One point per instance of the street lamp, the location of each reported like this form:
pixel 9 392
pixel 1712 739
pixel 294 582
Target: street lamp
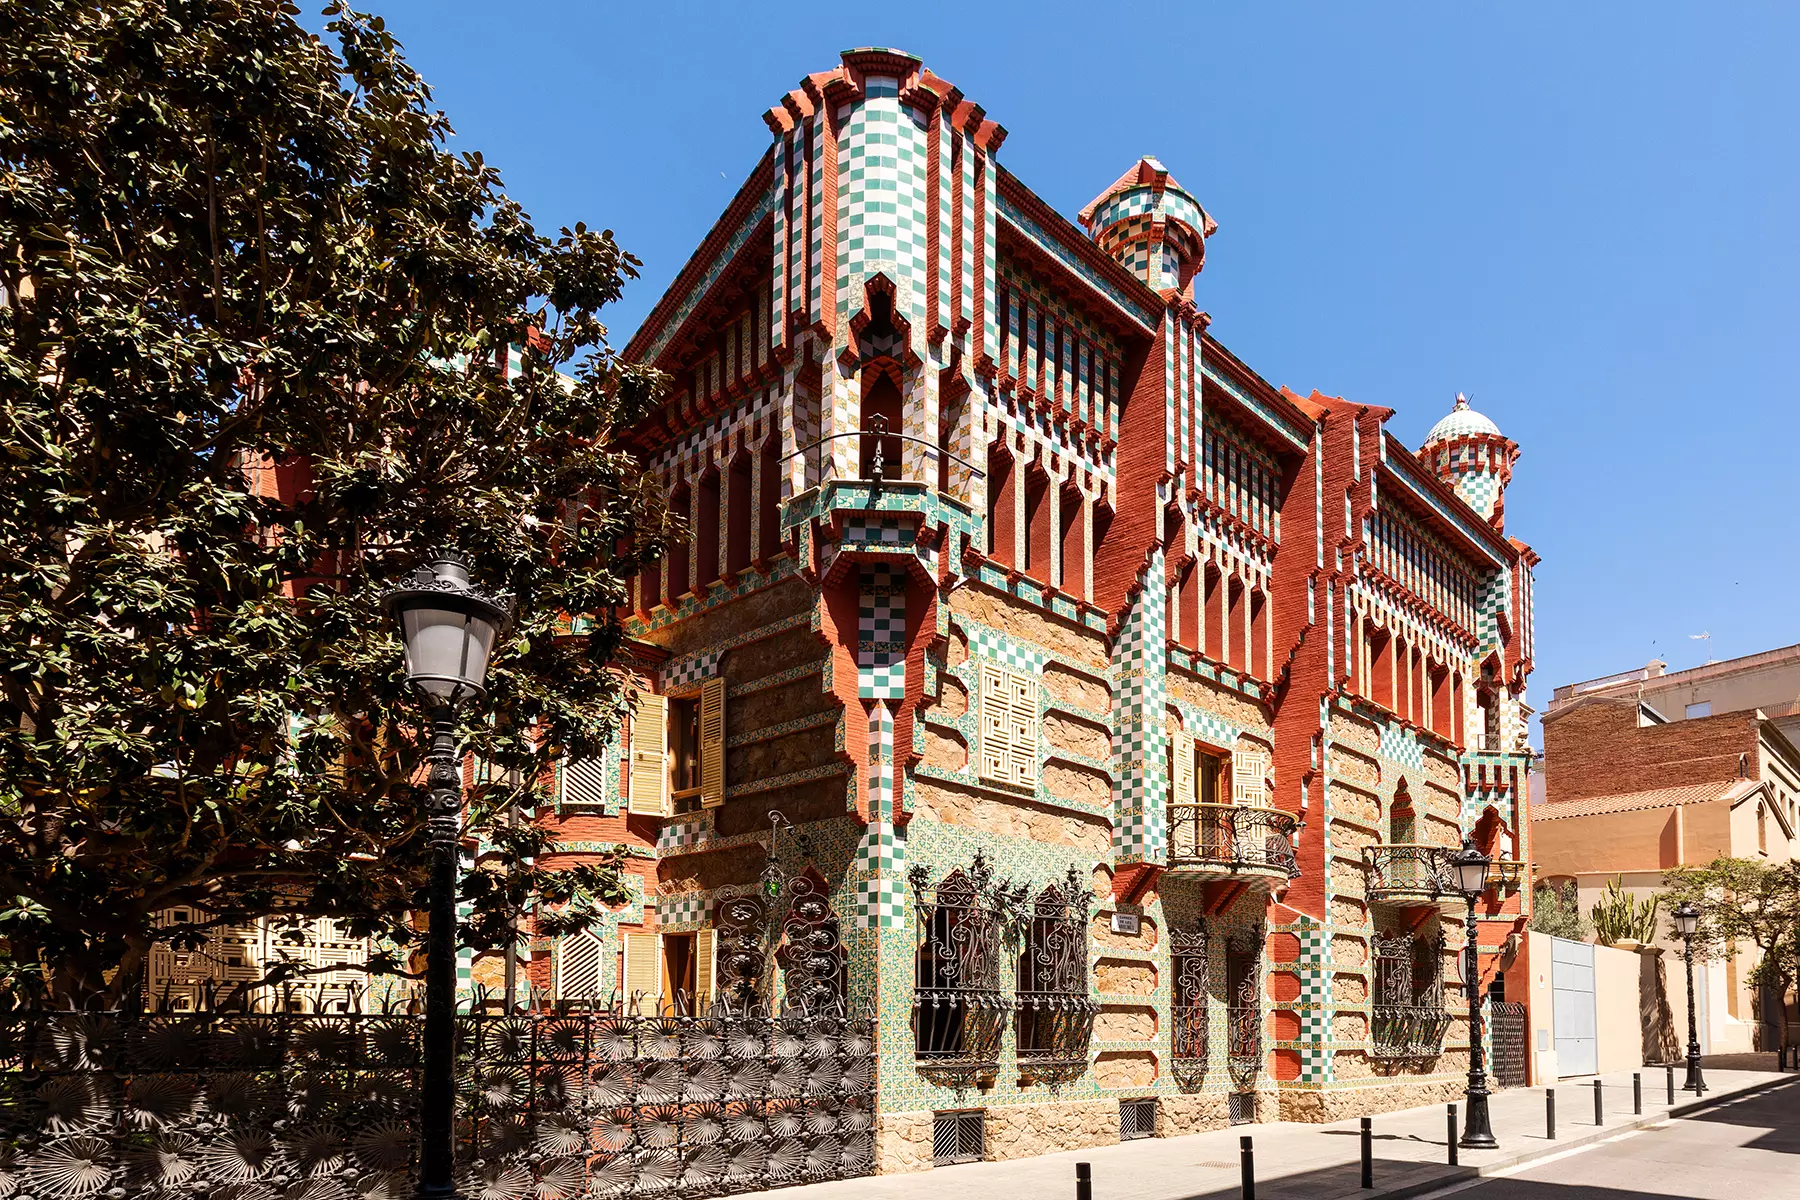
pixel 1469 870
pixel 1687 921
pixel 449 629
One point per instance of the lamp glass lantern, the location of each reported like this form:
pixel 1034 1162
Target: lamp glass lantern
pixel 449 629
pixel 1470 867
pixel 1687 918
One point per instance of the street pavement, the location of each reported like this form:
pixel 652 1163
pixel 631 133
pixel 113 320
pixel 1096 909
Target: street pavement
pixel 1322 1162
pixel 1742 1149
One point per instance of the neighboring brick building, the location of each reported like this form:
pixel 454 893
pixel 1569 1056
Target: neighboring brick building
pixel 1122 705
pixel 1629 794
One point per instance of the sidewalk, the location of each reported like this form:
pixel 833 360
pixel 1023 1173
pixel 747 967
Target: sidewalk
pixel 1306 1162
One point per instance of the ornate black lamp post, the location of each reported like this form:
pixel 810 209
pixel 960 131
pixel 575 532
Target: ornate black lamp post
pixel 1687 920
pixel 449 628
pixel 1469 871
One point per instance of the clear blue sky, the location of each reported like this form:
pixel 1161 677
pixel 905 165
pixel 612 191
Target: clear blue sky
pixel 1584 215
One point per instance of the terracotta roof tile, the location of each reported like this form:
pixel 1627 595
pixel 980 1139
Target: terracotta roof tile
pixel 1698 793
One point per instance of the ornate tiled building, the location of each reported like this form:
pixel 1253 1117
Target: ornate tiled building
pixel 1120 705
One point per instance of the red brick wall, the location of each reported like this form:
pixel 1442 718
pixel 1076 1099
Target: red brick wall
pixel 1597 748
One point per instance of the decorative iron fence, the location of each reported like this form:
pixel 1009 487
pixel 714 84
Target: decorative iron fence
pixel 1232 837
pixel 1506 1019
pixel 1408 869
pixel 554 1102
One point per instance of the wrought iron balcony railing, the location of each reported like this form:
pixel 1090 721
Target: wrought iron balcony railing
pixel 1408 870
pixel 1408 1031
pixel 1232 838
pixel 1507 872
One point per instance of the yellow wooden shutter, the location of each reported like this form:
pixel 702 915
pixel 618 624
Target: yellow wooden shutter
pixel 1184 768
pixel 703 971
pixel 1248 767
pixel 712 742
pixel 649 756
pixel 643 972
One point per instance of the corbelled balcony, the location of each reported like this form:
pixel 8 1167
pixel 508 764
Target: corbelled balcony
pixel 1411 873
pixel 1232 841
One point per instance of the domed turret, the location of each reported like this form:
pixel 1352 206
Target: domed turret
pixel 1468 452
pixel 1151 226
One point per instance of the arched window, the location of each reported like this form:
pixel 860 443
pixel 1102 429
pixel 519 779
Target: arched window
pixel 1000 504
pixel 706 531
pixel 677 557
pixel 881 408
pixel 738 515
pixel 768 504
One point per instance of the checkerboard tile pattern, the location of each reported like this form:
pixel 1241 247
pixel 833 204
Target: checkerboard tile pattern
pixel 879 531
pixel 1007 651
pixel 688 910
pixel 882 200
pixel 881 889
pixel 677 836
pixel 1400 745
pixel 1140 739
pixel 690 672
pixel 1315 1006
pixel 881 635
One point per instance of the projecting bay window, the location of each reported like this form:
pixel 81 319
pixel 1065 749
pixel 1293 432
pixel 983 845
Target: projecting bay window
pixel 678 752
pixel 1408 1016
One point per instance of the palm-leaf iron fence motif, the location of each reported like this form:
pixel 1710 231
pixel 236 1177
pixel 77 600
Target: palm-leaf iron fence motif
pixel 621 1097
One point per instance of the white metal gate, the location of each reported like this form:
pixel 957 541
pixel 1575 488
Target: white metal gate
pixel 1577 1025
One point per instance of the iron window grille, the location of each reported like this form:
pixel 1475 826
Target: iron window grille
pixel 1137 1119
pixel 1409 1020
pixel 1190 1013
pixel 958 1008
pixel 1053 1017
pixel 958 1137
pixel 1244 1020
pixel 1242 1108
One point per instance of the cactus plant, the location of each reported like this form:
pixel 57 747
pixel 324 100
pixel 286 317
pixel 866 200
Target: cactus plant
pixel 1621 917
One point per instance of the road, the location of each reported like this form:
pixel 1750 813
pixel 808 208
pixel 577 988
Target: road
pixel 1746 1149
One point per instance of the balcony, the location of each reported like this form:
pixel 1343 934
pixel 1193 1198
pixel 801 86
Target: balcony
pixel 1408 1031
pixel 1232 841
pixel 1411 875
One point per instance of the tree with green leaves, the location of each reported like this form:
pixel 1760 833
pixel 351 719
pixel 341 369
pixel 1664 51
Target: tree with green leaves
pixel 1556 910
pixel 1743 900
pixel 264 341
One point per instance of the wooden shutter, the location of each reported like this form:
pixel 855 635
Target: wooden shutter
pixel 1248 767
pixel 1183 768
pixel 712 742
pixel 643 972
pixel 649 755
pixel 703 971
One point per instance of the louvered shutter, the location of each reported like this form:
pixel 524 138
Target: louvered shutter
pixel 584 782
pixel 643 972
pixel 704 968
pixel 1248 768
pixel 649 756
pixel 712 742
pixel 578 966
pixel 1183 769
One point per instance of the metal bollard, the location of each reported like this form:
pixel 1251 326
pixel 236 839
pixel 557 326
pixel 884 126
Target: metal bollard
pixel 1084 1181
pixel 1599 1115
pixel 1247 1167
pixel 1368 1153
pixel 1670 1068
pixel 1450 1124
pixel 1637 1094
pixel 1550 1113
